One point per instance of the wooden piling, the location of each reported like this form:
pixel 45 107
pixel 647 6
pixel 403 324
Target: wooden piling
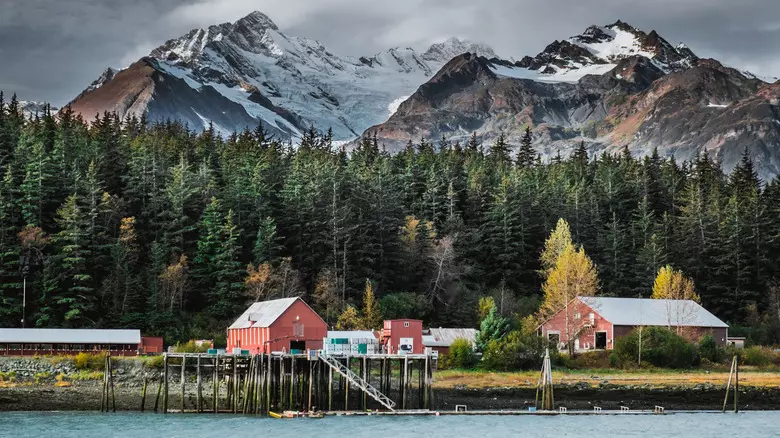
pixel 404 376
pixel 165 383
pixel 234 385
pixel 311 382
pixel 215 383
pixel 728 384
pixel 157 398
pixel 330 388
pixel 143 394
pixel 199 393
pixel 111 379
pixel 736 384
pixel 183 381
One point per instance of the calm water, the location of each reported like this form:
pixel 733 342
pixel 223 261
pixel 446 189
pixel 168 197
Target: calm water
pixel 87 425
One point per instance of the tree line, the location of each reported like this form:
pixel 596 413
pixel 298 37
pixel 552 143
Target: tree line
pixel 124 223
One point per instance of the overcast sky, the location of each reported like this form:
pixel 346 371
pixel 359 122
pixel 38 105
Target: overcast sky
pixel 52 49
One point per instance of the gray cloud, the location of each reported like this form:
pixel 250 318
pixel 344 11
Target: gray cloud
pixel 50 50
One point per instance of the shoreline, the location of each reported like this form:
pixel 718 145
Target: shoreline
pixel 85 396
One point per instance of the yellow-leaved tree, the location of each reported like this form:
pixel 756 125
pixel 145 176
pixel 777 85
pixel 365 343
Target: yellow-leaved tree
pixel 574 275
pixel 679 291
pixel 554 246
pixel 372 317
pixel 349 319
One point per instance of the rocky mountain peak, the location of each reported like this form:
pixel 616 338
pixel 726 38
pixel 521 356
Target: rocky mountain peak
pixel 446 50
pixel 257 21
pixel 609 44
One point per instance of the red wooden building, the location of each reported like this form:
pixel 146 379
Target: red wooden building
pixel 287 324
pixel 594 323
pixel 403 336
pixel 64 342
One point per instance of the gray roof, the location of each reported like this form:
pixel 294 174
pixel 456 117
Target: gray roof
pixel 263 314
pixel 69 336
pixel 648 312
pixel 353 334
pixel 444 337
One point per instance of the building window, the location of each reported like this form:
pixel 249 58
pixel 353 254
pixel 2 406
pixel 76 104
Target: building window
pixel 592 318
pixel 577 315
pixel 298 329
pixel 406 324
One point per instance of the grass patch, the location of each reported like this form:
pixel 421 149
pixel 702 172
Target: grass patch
pixel 83 375
pixel 39 377
pixel 655 378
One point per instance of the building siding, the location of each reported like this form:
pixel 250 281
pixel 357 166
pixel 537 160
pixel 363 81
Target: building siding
pixel 280 334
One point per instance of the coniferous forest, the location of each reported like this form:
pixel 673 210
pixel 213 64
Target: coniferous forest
pixel 121 223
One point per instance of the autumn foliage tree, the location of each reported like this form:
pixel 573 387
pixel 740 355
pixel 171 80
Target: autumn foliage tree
pixel 680 294
pixel 574 275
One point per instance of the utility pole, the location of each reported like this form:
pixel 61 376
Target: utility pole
pixel 24 266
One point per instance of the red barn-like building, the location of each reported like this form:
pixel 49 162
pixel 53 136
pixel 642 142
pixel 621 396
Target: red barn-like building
pixel 594 323
pixel 403 336
pixel 287 324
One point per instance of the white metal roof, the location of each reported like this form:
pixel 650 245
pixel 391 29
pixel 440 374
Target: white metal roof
pixel 263 314
pixel 354 334
pixel 444 337
pixel 648 312
pixel 69 336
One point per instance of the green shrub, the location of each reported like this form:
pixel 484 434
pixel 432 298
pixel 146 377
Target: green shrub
pixel 190 347
pixel 461 355
pixel 660 347
pixel 584 361
pixel 759 357
pixel 153 362
pixel 8 376
pixel 710 350
pixel 41 376
pixel 516 351
pixel 89 361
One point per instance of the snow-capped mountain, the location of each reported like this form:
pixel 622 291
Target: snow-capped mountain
pixel 597 51
pixel 235 75
pixel 610 87
pixel 31 108
pixel 443 52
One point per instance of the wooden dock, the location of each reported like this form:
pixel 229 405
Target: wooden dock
pixel 266 383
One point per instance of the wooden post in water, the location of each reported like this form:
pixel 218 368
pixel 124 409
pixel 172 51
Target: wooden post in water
pixel 330 389
pixel 292 381
pixel 346 385
pixel 159 390
pixel 268 375
pixel 234 385
pixel 311 382
pixel 426 399
pixel 143 393
pixel 183 368
pixel 728 384
pixel 404 376
pixel 104 388
pixel 366 376
pixel 736 384
pixel 111 380
pixel 165 383
pixel 199 393
pixel 215 384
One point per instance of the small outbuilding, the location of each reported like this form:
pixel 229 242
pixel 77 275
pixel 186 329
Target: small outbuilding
pixel 287 324
pixel 402 336
pixel 594 323
pixel 439 340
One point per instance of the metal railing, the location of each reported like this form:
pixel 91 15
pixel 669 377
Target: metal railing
pixel 358 381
